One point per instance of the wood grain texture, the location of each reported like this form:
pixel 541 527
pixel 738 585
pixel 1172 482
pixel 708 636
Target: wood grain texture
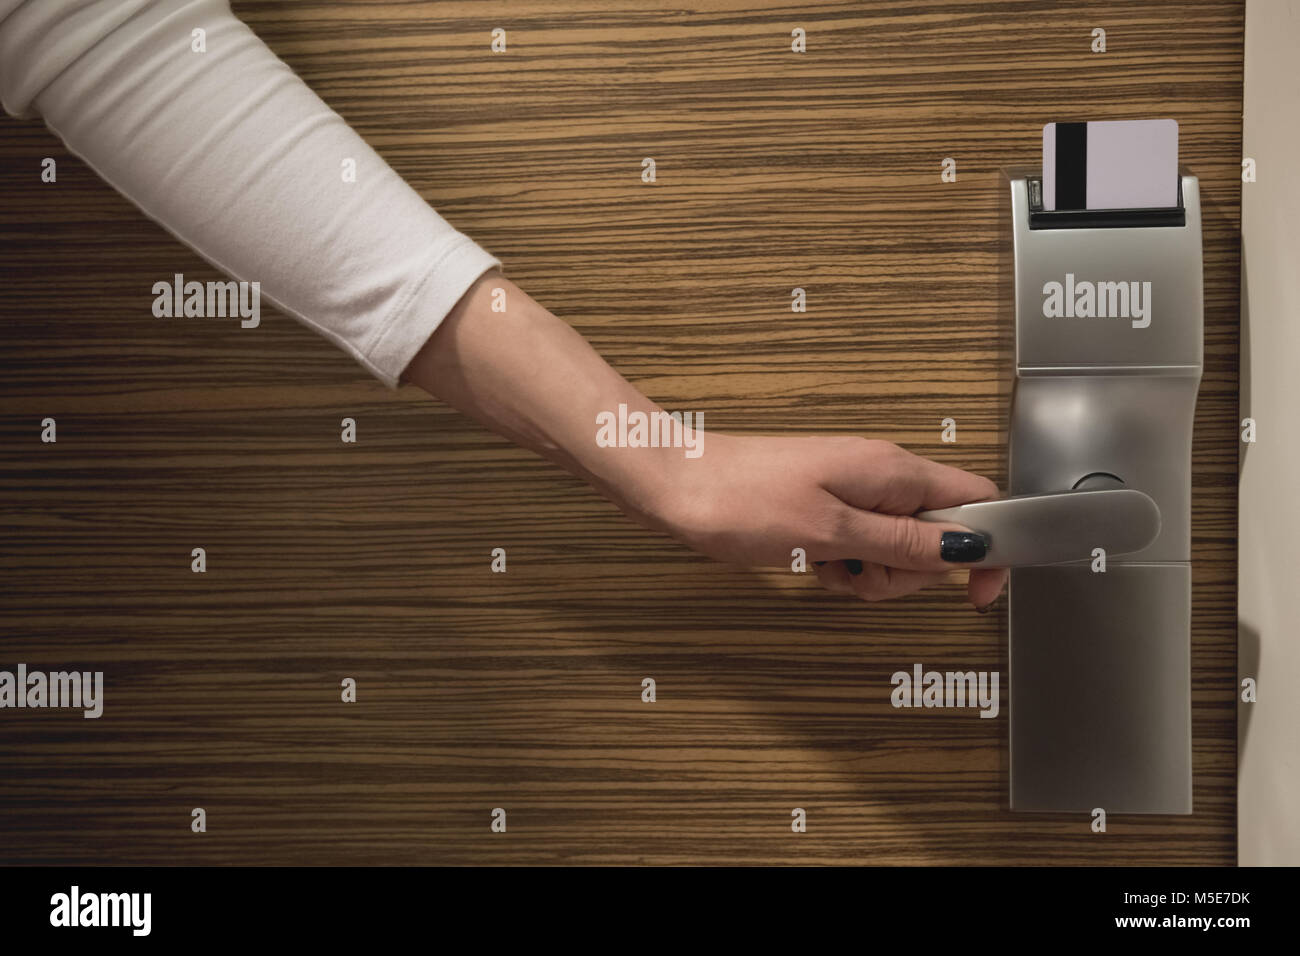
pixel 522 690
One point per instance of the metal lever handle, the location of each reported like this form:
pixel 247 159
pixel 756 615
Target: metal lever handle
pixel 1051 529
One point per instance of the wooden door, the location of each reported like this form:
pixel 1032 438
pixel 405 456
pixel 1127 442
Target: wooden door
pixel 775 170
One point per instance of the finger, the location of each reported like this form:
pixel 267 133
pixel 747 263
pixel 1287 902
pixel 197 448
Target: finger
pixel 904 542
pixel 985 585
pixel 834 576
pixel 880 583
pixel 881 476
pixel 917 484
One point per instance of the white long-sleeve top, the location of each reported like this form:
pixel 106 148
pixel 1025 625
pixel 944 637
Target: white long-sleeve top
pixel 235 156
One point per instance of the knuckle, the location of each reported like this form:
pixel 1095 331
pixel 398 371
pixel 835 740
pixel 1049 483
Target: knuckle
pixel 834 526
pixel 874 450
pixel 891 463
pixel 908 542
pixel 884 450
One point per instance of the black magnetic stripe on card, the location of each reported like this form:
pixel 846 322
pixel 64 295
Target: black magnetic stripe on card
pixel 1071 165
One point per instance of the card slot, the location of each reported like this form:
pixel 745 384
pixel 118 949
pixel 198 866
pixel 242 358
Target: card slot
pixel 1163 216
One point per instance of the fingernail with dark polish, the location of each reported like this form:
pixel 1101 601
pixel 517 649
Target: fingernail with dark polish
pixel 986 608
pixel 854 565
pixel 962 546
pixel 819 563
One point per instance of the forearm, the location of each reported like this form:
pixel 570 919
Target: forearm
pixel 527 375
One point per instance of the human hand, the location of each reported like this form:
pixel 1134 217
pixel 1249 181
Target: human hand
pixel 846 501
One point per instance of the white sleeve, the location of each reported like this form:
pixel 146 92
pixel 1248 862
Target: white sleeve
pixel 236 157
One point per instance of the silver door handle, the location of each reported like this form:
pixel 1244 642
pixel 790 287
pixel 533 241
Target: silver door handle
pixel 1056 528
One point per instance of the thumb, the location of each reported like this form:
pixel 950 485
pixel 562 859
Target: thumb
pixel 882 477
pixel 901 541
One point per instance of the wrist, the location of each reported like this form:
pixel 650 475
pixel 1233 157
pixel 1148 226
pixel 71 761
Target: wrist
pixel 652 484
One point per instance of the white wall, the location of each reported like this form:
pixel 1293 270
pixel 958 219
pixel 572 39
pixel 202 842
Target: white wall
pixel 1268 732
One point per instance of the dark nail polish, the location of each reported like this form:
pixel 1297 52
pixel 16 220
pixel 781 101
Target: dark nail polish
pixel 962 546
pixel 819 563
pixel 854 565
pixel 986 608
